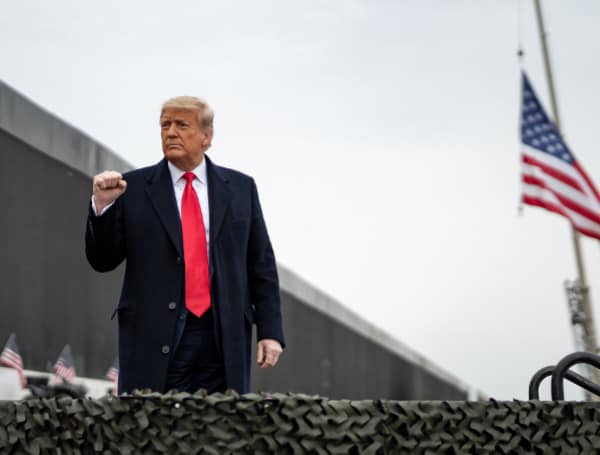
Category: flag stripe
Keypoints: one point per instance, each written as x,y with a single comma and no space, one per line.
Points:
558,187
563,200
568,170
11,363
531,200
112,374
8,363
577,219
588,181
12,358
554,163
63,368
558,175
65,372
547,197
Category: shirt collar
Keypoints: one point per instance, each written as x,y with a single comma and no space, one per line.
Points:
199,171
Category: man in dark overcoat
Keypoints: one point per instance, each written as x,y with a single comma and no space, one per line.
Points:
199,266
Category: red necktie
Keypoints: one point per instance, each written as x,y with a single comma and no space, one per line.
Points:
197,282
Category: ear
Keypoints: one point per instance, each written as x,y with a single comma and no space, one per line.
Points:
207,138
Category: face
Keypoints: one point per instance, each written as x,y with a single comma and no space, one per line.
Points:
183,141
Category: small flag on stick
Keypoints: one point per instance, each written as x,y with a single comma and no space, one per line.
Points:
551,176
113,375
11,358
64,369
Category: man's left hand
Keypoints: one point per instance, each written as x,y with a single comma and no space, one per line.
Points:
268,352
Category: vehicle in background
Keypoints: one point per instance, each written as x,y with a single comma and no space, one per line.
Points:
38,386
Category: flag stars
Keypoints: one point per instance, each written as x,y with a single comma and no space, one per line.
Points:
537,130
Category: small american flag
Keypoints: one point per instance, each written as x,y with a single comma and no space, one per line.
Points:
11,358
113,375
64,369
551,176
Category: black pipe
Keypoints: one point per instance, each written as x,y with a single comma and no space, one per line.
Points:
571,376
536,381
558,390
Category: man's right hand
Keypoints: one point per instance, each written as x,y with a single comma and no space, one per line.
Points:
108,186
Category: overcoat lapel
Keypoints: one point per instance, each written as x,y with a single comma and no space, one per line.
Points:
219,197
161,194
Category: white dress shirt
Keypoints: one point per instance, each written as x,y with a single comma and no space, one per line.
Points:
200,185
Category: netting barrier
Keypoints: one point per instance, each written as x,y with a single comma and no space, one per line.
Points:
183,423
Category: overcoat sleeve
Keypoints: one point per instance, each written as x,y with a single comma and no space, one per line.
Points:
262,277
105,238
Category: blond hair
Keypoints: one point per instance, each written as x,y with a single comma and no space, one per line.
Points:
205,113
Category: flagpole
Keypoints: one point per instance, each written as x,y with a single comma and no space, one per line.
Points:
590,332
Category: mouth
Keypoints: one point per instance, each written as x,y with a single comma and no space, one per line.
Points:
171,146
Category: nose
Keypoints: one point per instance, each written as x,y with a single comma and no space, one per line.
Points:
171,132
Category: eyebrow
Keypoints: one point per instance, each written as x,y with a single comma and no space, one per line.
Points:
171,120
176,119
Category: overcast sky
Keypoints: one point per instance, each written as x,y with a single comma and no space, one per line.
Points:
383,138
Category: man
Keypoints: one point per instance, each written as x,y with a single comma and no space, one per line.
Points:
199,264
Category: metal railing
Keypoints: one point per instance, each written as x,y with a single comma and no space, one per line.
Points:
560,372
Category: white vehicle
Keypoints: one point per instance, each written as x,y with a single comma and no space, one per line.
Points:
10,384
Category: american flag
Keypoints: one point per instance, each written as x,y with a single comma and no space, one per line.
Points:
11,358
64,369
551,176
113,375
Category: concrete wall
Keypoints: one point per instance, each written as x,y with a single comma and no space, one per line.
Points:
329,358
50,296
48,293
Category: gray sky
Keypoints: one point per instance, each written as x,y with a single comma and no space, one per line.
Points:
383,138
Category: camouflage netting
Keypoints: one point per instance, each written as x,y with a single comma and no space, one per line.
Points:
286,423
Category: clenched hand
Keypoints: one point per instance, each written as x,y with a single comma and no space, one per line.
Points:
108,186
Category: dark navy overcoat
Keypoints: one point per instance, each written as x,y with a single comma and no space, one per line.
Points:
143,229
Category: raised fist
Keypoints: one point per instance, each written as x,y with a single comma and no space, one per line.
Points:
108,186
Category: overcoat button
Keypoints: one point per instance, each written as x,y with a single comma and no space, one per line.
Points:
165,349
172,305
178,260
